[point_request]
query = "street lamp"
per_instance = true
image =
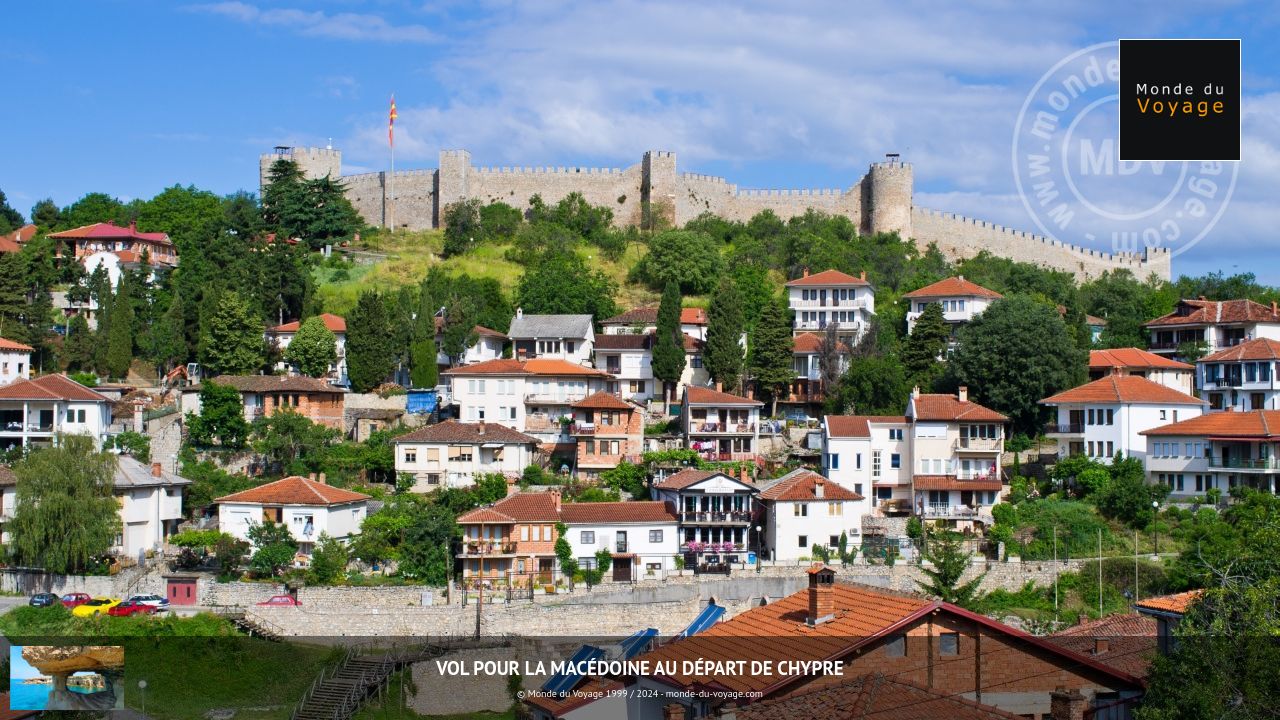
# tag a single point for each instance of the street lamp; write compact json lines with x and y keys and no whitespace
{"x":1155,"y":516}
{"x":759,"y":547}
{"x":142,"y":688}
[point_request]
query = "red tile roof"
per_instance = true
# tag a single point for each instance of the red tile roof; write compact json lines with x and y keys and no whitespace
{"x":605,"y":513}
{"x":687,"y":477}
{"x":108,"y":230}
{"x":859,"y":425}
{"x":452,"y":431}
{"x":649,"y":316}
{"x":1130,"y":641}
{"x":872,"y":696}
{"x":1177,"y":604}
{"x":489,"y":332}
{"x":948,"y":407}
{"x":276,"y":383}
{"x":335,"y":323}
{"x":951,"y":482}
{"x":1122,"y":389}
{"x":810,"y":343}
{"x":1204,"y":312}
{"x":1257,"y":349}
{"x":802,"y":485}
{"x":520,"y":507}
{"x":691,"y":343}
{"x":22,"y":234}
{"x":49,"y":387}
{"x":1251,"y":424}
{"x":623,"y":341}
{"x":1132,"y":358}
{"x":294,"y":490}
{"x":828,"y":277}
{"x":7,"y":245}
{"x":536,"y":366}
{"x":14,"y":345}
{"x":602,"y":401}
{"x":708,"y":396}
{"x":953,"y":287}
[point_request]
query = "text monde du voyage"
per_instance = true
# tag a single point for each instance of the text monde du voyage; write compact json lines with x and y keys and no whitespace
{"x":1179,"y":99}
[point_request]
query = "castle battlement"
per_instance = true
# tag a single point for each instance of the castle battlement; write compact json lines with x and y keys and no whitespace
{"x":506,"y":170}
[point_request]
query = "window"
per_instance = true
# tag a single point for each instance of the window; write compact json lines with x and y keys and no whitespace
{"x":835,"y":508}
{"x":1164,"y":414}
{"x":895,"y":460}
{"x":588,"y":537}
{"x":655,"y":536}
{"x":857,"y":487}
{"x":433,"y":479}
{"x":949,"y":643}
{"x":875,"y":463}
{"x":835,"y":461}
{"x":857,"y":461}
{"x":1091,"y":417}
{"x":801,"y":510}
{"x":546,"y":533}
{"x":695,"y":361}
{"x":835,"y":541}
{"x":803,"y":541}
{"x":1111,"y":448}
{"x":524,"y":533}
{"x":411,"y":455}
{"x":1111,"y":416}
{"x":895,"y":433}
{"x":896,"y":646}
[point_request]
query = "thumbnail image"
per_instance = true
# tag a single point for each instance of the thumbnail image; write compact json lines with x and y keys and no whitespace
{"x":66,"y":677}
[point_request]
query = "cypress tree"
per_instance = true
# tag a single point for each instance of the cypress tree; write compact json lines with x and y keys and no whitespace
{"x":370,"y":346}
{"x":120,"y":335}
{"x":668,"y":346}
{"x":927,"y":342}
{"x":723,"y":353}
{"x":771,"y":357}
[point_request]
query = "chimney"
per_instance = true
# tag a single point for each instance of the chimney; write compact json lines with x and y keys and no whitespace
{"x":719,"y":386}
{"x":751,"y":393}
{"x":1101,"y":645}
{"x":1275,"y":307}
{"x":1066,"y":704}
{"x":742,"y":474}
{"x":312,"y":477}
{"x":915,"y":391}
{"x":137,"y":416}
{"x":806,"y":272}
{"x":555,"y":497}
{"x":674,"y":711}
{"x":321,"y":479}
{"x":156,"y":470}
{"x":1202,"y":298}
{"x":863,"y":276}
{"x":963,"y":395}
{"x":822,"y":601}
{"x":519,"y":312}
{"x":960,"y":278}
{"x":480,"y":430}
{"x":818,"y":490}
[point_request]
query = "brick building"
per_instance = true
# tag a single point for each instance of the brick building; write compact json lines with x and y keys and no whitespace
{"x":265,"y":395}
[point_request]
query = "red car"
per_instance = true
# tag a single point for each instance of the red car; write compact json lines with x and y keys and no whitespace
{"x":71,"y":600}
{"x":132,"y":607}
{"x":281,"y":601}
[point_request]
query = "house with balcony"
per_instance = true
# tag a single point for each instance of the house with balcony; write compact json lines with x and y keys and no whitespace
{"x":870,"y":455}
{"x":116,"y":249}
{"x":1108,"y":416}
{"x":807,"y":393}
{"x":307,"y":507}
{"x":956,"y":450}
{"x":607,"y":431}
{"x":832,"y":297}
{"x":802,"y":509}
{"x":150,"y":500}
{"x":1217,"y":450}
{"x":316,"y":399}
{"x":629,"y":359}
{"x":33,"y":412}
{"x":644,"y":321}
{"x":1242,"y":377}
{"x":961,"y":300}
{"x":511,"y":542}
{"x":717,"y":515}
{"x":453,"y":454}
{"x":1213,"y":324}
{"x":281,"y":335}
{"x":1158,"y":369}
{"x":15,"y":361}
{"x":642,"y":536}
{"x":552,"y":337}
{"x":720,"y":426}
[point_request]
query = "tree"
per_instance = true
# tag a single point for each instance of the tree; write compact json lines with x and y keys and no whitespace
{"x":92,"y":208}
{"x":560,"y":282}
{"x":424,"y":371}
{"x":65,"y":515}
{"x":1128,"y":495}
{"x":462,"y":229}
{"x":185,"y":213}
{"x":722,"y":355}
{"x":328,"y":560}
{"x":316,"y":210}
{"x":668,"y":345}
{"x":169,"y":340}
{"x":275,"y":548}
{"x":314,"y":348}
{"x":564,"y":551}
{"x":120,"y":335}
{"x":1015,"y":353}
{"x":370,"y":349}
{"x":950,"y":559}
{"x":221,"y":418}
{"x":13,"y":296}
{"x":77,"y":348}
{"x":690,"y":259}
{"x":46,"y":215}
{"x":926,"y":343}
{"x":771,"y":358}
{"x":231,"y":343}
{"x":10,"y":219}
{"x":872,"y":385}
{"x":830,"y":352}
{"x":626,"y":477}
{"x":286,"y":437}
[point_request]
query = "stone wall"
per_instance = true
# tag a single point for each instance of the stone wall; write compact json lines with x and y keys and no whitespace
{"x":131,"y":581}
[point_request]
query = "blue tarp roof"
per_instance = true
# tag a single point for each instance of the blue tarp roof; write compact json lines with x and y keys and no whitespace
{"x":637,"y":643}
{"x":708,"y":617}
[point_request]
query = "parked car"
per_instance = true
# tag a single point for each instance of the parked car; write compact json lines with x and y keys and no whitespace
{"x":281,"y":601}
{"x":44,"y":600}
{"x":72,"y":600}
{"x":132,"y":607}
{"x":155,"y":601}
{"x":95,"y":606}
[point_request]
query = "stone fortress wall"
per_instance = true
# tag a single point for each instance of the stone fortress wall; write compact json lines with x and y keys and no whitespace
{"x":880,"y":201}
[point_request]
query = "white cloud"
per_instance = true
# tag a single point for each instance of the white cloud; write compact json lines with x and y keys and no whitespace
{"x":339,"y":26}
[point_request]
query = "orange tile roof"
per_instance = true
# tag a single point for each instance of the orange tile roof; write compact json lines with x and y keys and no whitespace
{"x":802,"y":485}
{"x":1257,"y":349}
{"x":335,"y":323}
{"x":931,"y":406}
{"x":8,"y":245}
{"x":110,"y":230}
{"x":872,"y":696}
{"x":828,"y":277}
{"x":809,"y":343}
{"x":452,"y":431}
{"x":500,"y":366}
{"x":687,"y":477}
{"x":1251,"y":424}
{"x":1131,"y":641}
{"x":1132,"y":358}
{"x":709,"y":396}
{"x":602,"y":401}
{"x":951,"y":482}
{"x":489,"y":332}
{"x":554,"y":366}
{"x":49,"y":387}
{"x":953,"y":287}
{"x":520,"y":507}
{"x":692,"y":344}
{"x":1122,"y":389}
{"x":604,"y":513}
{"x":14,"y":345}
{"x":1205,"y":312}
{"x":1177,"y":604}
{"x":859,"y":425}
{"x":294,"y":490}
{"x":22,"y":234}
{"x":536,"y":366}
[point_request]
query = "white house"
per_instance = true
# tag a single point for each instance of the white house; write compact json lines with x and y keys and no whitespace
{"x":803,"y":509}
{"x":33,"y":412}
{"x":832,"y":297}
{"x":1107,"y":416}
{"x":15,"y":361}
{"x":719,"y":425}
{"x":559,"y":337}
{"x":1217,"y":450}
{"x":807,"y":392}
{"x":962,"y":300}
{"x":644,"y":321}
{"x":308,"y":508}
{"x":488,"y":345}
{"x":869,"y":455}
{"x":641,"y":536}
{"x":628,"y":358}
{"x":956,"y":451}
{"x":282,"y":335}
{"x":1218,"y":324}
{"x":716,"y":511}
{"x":150,"y":505}
{"x":452,"y":454}
{"x":1133,"y":361}
{"x":1242,"y":377}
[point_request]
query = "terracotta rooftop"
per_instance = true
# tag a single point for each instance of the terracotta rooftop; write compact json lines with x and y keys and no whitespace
{"x":848,"y":426}
{"x":953,"y":287}
{"x":602,"y":401}
{"x":802,"y":485}
{"x":22,"y":234}
{"x":1117,"y":389}
{"x":604,"y":513}
{"x":14,"y":345}
{"x":709,"y":396}
{"x":1132,"y":358}
{"x":623,"y":341}
{"x":294,"y":490}
{"x":49,"y":387}
{"x":692,"y":344}
{"x":7,"y":478}
{"x":488,"y":332}
{"x":1257,"y":349}
{"x":1205,"y":312}
{"x":520,"y":507}
{"x":452,"y":431}
{"x":872,"y":696}
{"x":111,"y":231}
{"x":649,"y":316}
{"x":335,"y":323}
{"x":687,"y":477}
{"x":828,"y":277}
{"x":951,"y":482}
{"x":809,"y":343}
{"x":930,"y":406}
{"x":536,"y":366}
{"x":1177,"y":604}
{"x":1228,"y":424}
{"x":1129,"y":641}
{"x":277,"y":383}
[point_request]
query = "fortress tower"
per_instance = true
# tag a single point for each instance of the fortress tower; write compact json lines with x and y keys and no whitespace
{"x":886,"y":201}
{"x":658,"y":186}
{"x":313,"y":162}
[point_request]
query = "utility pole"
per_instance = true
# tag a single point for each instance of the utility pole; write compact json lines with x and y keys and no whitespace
{"x":480,"y":584}
{"x":1135,"y":567}
{"x":1055,"y":572}
{"x":1099,"y":572}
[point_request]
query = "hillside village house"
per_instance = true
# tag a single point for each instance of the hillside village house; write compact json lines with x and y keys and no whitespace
{"x":717,"y":513}
{"x":117,"y":248}
{"x":1219,"y":450}
{"x":962,"y":300}
{"x":282,"y":335}
{"x":956,"y":451}
{"x":720,"y":426}
{"x":870,"y":455}
{"x":485,"y":344}
{"x":832,"y":297}
{"x":642,"y":536}
{"x":150,"y":501}
{"x":607,"y":432}
{"x":552,"y":337}
{"x":309,"y":508}
{"x":1167,"y":611}
{"x":1108,"y":416}
{"x":802,"y":509}
{"x":629,"y":359}
{"x":806,"y":394}
{"x":644,"y":321}
{"x":452,"y":454}
{"x":1218,"y":324}
{"x":1242,"y":377}
{"x":15,"y":361}
{"x":1132,"y":361}
{"x":265,"y":395}
{"x":511,"y":541}
{"x":33,"y":412}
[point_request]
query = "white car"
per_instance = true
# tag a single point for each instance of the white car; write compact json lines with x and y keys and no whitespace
{"x":155,"y":601}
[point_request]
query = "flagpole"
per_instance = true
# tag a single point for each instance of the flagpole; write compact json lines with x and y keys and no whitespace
{"x":391,"y":137}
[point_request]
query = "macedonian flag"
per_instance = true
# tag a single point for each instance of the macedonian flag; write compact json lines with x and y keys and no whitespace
{"x":391,"y":123}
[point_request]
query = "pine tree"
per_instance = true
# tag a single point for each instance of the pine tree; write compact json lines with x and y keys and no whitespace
{"x":771,"y":357}
{"x":723,"y":352}
{"x":120,"y":336}
{"x":77,"y":350}
{"x":668,"y":346}
{"x":168,"y":339}
{"x":13,"y":295}
{"x":370,"y":347}
{"x":927,"y":342}
{"x":950,"y":559}
{"x":231,"y":343}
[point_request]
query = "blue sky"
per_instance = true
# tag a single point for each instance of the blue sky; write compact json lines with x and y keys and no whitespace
{"x":19,"y":669}
{"x":130,"y":97}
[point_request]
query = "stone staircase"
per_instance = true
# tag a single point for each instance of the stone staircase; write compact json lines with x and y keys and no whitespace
{"x":337,"y":693}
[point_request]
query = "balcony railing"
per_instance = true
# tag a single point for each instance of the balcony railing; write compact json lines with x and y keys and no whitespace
{"x":1269,"y":463}
{"x":1064,"y":429}
{"x":582,"y":429}
{"x":978,"y":477}
{"x":983,"y":444}
{"x":554,"y":398}
{"x":714,"y":456}
{"x":945,"y":510}
{"x":30,"y":427}
{"x":858,"y":304}
{"x":1163,"y":345}
{"x":741,"y":517}
{"x":488,"y":547}
{"x":727,"y":428}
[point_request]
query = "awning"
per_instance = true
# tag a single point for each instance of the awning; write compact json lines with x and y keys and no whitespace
{"x":493,"y":445}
